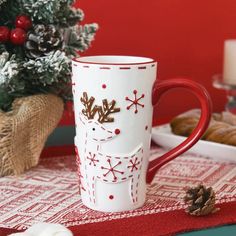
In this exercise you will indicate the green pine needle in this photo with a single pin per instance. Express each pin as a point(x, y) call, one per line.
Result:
point(21, 76)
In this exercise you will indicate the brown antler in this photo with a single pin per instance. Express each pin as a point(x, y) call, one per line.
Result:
point(89, 111)
point(105, 110)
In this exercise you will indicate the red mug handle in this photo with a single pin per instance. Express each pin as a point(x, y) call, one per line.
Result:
point(206, 107)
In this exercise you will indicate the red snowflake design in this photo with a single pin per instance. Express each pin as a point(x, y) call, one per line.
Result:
point(134, 164)
point(111, 169)
point(92, 159)
point(135, 102)
point(78, 171)
point(80, 177)
point(77, 156)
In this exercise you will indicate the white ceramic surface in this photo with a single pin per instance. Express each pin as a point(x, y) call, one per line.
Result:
point(163, 136)
point(114, 155)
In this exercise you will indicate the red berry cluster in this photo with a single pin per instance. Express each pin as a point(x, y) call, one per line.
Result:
point(17, 35)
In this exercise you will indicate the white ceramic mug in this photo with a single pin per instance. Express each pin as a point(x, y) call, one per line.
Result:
point(113, 101)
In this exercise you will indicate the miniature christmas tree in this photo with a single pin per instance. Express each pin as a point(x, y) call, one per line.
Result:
point(38, 38)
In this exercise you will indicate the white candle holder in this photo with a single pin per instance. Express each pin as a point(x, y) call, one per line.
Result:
point(230, 92)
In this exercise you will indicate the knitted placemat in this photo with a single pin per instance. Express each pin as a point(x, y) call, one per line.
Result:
point(49, 192)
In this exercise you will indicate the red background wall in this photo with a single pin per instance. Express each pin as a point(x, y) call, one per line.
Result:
point(185, 36)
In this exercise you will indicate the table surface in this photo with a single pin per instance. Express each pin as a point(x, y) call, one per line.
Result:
point(65, 135)
point(228, 230)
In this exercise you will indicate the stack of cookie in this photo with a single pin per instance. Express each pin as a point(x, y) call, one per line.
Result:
point(222, 128)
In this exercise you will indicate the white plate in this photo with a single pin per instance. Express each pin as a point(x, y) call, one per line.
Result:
point(163, 136)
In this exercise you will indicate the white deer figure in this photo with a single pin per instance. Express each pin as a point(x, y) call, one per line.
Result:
point(110, 168)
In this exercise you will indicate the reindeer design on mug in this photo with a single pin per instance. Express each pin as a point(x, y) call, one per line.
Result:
point(106, 167)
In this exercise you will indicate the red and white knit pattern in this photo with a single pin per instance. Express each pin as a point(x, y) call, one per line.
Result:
point(49, 192)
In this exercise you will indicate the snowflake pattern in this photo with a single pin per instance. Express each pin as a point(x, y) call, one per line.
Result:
point(78, 162)
point(92, 159)
point(134, 164)
point(80, 176)
point(135, 102)
point(112, 169)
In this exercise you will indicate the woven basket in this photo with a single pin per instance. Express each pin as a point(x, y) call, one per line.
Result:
point(24, 131)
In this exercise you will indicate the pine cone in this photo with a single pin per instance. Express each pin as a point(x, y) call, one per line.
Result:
point(42, 40)
point(201, 200)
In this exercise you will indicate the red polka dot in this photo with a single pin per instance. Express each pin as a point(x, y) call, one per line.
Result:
point(146, 127)
point(135, 91)
point(104, 86)
point(117, 131)
point(111, 197)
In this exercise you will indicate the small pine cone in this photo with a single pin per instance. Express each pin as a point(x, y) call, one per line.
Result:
point(42, 40)
point(201, 200)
